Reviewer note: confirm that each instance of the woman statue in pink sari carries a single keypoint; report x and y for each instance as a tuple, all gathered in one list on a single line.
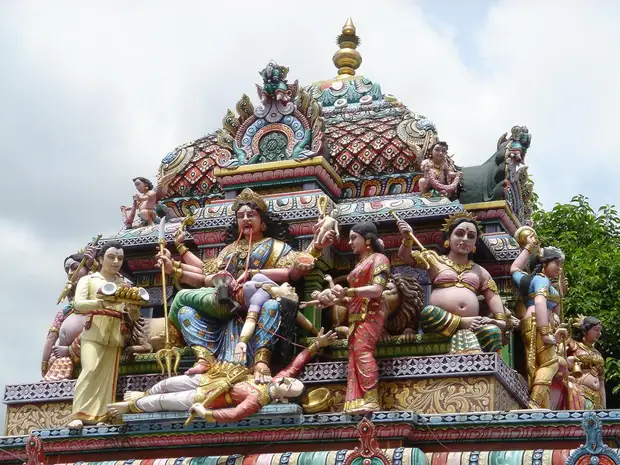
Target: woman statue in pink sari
[(366, 315)]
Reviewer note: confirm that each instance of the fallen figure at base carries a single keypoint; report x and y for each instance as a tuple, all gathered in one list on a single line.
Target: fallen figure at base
[(226, 393)]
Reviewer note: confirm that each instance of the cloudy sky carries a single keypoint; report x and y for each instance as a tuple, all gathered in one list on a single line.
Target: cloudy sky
[(95, 93)]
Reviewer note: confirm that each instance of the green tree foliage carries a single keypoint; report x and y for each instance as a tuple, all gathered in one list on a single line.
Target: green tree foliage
[(591, 242)]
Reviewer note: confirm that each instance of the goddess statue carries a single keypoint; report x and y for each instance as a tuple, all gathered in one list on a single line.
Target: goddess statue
[(454, 309), (439, 171), (226, 392), (101, 339), (540, 323), (260, 247), (60, 349), (587, 364), (367, 311)]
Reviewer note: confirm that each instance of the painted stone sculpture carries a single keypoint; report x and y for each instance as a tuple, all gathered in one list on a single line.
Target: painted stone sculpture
[(367, 312), (259, 246), (457, 281), (226, 392), (440, 174), (101, 340), (587, 364), (540, 324), (61, 349)]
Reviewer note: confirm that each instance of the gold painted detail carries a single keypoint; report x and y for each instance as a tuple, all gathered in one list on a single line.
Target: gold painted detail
[(23, 419), (347, 59), (280, 166), (424, 396)]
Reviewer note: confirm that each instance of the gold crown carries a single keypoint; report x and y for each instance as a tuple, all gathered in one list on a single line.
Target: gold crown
[(457, 216), (249, 196), (579, 321)]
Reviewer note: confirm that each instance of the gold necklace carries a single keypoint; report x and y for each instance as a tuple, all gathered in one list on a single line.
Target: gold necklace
[(457, 267)]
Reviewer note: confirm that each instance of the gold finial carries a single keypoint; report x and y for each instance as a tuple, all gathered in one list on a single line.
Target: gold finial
[(347, 59)]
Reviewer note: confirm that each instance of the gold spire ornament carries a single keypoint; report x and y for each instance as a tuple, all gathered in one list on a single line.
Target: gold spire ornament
[(347, 59)]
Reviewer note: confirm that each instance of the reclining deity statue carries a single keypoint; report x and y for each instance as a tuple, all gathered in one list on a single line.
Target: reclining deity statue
[(226, 392), (259, 247), (454, 309)]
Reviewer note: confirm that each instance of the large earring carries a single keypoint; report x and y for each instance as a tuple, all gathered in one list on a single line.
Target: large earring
[(446, 244), (368, 244), (473, 250)]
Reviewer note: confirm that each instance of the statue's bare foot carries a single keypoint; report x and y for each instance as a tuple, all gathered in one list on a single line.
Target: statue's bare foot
[(198, 369), (262, 373), (133, 395), (60, 351), (198, 410), (75, 424), (118, 409)]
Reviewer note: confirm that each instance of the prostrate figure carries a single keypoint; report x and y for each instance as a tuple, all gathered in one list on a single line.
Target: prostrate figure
[(454, 309), (259, 247), (440, 174), (62, 348), (101, 339), (540, 325), (227, 392), (367, 312), (587, 364)]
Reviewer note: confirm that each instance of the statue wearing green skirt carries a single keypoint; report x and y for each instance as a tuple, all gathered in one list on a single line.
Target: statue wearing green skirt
[(457, 281)]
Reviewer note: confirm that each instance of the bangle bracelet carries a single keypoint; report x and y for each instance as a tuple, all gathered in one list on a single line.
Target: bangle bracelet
[(407, 242), (182, 249), (543, 330), (350, 292), (244, 339)]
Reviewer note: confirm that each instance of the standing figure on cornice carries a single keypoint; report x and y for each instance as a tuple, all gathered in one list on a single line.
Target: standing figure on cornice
[(143, 204), (258, 246), (586, 363), (454, 309), (540, 325), (101, 340), (367, 311), (440, 174), (62, 342)]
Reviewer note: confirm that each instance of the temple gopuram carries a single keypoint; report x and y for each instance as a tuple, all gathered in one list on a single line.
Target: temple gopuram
[(318, 282)]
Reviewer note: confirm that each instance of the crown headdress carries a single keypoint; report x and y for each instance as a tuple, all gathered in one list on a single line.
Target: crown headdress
[(249, 196), (457, 216), (578, 321)]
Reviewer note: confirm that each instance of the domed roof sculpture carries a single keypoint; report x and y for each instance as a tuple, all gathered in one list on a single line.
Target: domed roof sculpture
[(364, 136)]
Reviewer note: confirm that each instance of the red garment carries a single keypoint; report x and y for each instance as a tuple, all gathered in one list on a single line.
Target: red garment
[(245, 396), (366, 317)]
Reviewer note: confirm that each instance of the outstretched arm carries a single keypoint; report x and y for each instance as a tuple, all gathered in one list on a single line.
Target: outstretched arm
[(249, 406)]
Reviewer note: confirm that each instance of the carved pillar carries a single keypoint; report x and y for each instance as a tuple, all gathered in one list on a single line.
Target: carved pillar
[(314, 281)]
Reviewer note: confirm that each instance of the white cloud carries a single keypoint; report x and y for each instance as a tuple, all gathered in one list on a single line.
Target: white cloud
[(98, 93)]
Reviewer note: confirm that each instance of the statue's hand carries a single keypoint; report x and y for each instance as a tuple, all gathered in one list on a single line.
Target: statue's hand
[(240, 352), (561, 334), (179, 237), (326, 339), (549, 339), (339, 292), (328, 239), (90, 253), (404, 228), (199, 410), (166, 262)]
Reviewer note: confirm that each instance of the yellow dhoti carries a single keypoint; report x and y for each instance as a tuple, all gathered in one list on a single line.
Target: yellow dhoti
[(96, 385)]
